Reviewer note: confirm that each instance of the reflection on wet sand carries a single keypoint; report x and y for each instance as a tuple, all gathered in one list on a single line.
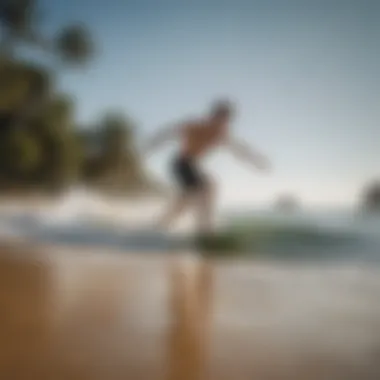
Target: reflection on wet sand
[(92, 315), (191, 299), (25, 295)]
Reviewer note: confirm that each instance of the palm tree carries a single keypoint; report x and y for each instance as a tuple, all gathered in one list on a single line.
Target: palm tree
[(74, 44), (24, 88), (116, 137), (20, 21)]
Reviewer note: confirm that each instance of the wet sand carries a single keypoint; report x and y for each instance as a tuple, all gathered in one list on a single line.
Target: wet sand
[(90, 314)]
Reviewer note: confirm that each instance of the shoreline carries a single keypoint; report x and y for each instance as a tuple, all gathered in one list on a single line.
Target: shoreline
[(255, 261)]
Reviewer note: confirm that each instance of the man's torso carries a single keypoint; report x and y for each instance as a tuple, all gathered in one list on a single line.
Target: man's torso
[(198, 138)]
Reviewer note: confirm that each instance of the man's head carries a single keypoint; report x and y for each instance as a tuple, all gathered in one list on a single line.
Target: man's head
[(222, 112)]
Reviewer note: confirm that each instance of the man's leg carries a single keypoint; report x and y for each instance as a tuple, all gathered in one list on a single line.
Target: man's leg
[(206, 207), (179, 205)]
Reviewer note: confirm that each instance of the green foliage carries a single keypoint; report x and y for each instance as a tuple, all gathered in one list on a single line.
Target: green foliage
[(74, 44), (22, 154), (223, 244), (264, 237), (41, 146), (19, 16), (111, 162), (20, 22), (21, 84)]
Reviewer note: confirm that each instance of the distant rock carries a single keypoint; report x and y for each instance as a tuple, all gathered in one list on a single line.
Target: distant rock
[(287, 203), (371, 197)]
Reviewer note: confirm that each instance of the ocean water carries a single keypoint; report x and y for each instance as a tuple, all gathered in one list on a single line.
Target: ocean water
[(82, 218), (328, 234)]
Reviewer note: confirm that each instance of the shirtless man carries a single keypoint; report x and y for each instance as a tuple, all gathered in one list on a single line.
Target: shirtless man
[(197, 138)]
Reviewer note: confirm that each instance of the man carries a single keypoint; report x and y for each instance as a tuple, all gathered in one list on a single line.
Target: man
[(197, 138)]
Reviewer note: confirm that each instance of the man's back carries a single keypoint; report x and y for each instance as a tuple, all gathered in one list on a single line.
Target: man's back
[(199, 137)]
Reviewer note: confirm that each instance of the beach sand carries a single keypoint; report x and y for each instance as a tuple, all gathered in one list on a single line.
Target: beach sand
[(70, 313)]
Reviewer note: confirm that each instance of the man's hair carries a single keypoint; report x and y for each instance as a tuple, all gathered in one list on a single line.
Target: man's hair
[(222, 108)]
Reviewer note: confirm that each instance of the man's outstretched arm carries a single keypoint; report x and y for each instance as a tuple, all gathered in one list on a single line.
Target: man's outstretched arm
[(247, 154), (164, 135)]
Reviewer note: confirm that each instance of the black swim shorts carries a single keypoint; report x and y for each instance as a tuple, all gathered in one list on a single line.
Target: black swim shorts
[(187, 174)]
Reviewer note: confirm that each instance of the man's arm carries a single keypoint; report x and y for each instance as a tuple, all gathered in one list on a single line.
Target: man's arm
[(164, 135), (247, 154)]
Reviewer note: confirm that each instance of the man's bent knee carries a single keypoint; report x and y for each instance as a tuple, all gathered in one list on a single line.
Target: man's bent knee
[(209, 185)]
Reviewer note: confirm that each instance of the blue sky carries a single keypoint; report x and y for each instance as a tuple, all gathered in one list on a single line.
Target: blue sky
[(304, 74)]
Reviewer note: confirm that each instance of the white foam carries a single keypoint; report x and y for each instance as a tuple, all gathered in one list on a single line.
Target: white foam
[(85, 208)]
